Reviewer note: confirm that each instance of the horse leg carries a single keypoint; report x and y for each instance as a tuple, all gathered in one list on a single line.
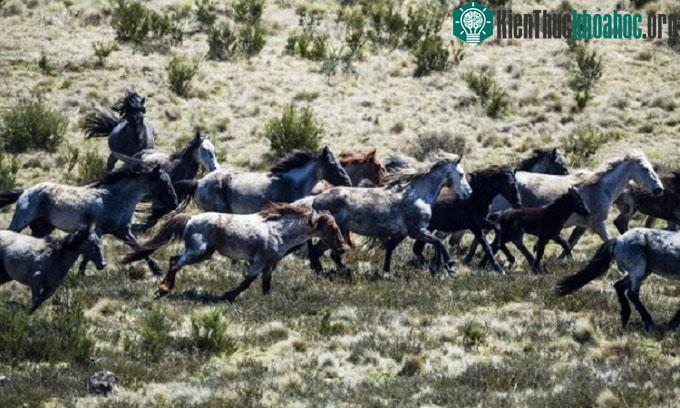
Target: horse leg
[(674, 322), (566, 249), (111, 162), (130, 239), (267, 280), (634, 296), (574, 237), (471, 252), (519, 243), (41, 227), (621, 287), (621, 222), (479, 236), (418, 247), (425, 235), (649, 222), (191, 256), (256, 268), (390, 245), (314, 254), (540, 249)]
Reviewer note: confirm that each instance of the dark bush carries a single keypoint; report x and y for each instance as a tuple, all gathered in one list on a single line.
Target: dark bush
[(295, 129), (222, 43), (306, 41), (209, 334), (137, 24), (180, 73), (8, 173), (205, 13), (251, 39), (431, 55), (248, 11), (32, 125)]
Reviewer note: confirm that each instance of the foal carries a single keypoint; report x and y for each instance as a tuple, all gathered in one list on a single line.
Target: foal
[(451, 213), (42, 264), (263, 239), (544, 222)]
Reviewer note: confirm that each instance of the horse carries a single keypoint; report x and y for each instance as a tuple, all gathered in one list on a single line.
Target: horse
[(598, 188), (638, 253), (401, 208), (451, 214), (544, 222), (362, 168), (262, 239), (42, 264), (110, 202), (666, 206), (245, 193), (181, 165), (124, 124)]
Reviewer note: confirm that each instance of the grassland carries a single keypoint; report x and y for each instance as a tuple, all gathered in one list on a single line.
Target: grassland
[(409, 340)]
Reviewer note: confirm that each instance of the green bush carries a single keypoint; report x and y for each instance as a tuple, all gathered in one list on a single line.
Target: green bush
[(355, 32), (45, 65), (209, 334), (431, 55), (248, 11), (153, 339), (180, 73), (427, 143), (306, 41), (387, 25), (32, 125), (587, 72), (8, 173), (205, 13), (137, 24), (473, 334), (222, 43), (492, 97), (423, 21), (102, 52), (46, 336), (293, 130), (91, 167), (251, 38), (585, 142)]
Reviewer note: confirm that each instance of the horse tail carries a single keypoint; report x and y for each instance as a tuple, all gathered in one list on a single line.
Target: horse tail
[(10, 196), (597, 267), (185, 190), (99, 122), (171, 230)]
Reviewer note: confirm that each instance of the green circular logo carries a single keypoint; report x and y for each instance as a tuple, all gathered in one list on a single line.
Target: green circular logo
[(472, 22)]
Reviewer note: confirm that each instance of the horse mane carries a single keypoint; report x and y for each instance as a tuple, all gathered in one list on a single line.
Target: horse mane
[(586, 177), (530, 161), (273, 211), (193, 144), (347, 158), (125, 104), (113, 177), (68, 242), (408, 176), (294, 160)]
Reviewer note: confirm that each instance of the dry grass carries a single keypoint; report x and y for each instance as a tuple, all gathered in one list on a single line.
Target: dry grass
[(478, 339)]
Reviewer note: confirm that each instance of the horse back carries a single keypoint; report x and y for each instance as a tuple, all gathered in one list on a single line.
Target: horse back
[(659, 249)]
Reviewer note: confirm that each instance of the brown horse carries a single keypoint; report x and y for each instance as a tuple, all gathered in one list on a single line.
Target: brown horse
[(363, 169), (666, 206)]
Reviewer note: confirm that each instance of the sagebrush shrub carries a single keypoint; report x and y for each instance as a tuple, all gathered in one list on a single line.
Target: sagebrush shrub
[(101, 52), (387, 24), (205, 12), (180, 73), (23, 336), (294, 129), (426, 144), (91, 167), (424, 20), (251, 39), (135, 23), (431, 55), (306, 41), (209, 334), (32, 125), (8, 173), (584, 142), (153, 338), (493, 98), (222, 43), (588, 71), (248, 11)]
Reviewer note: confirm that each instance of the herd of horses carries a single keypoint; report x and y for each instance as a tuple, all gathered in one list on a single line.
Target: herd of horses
[(316, 199)]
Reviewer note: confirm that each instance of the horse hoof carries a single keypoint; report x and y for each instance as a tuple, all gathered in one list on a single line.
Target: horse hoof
[(159, 294)]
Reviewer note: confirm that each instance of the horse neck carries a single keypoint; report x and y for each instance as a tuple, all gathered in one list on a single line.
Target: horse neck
[(183, 167), (613, 181), (129, 190), (482, 191), (292, 231), (355, 172), (558, 211), (304, 178), (61, 260), (427, 187)]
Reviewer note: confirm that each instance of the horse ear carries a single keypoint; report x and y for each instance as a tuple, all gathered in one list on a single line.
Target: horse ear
[(371, 154)]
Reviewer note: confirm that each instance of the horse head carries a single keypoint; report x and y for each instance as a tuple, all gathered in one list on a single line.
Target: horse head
[(324, 226), (546, 161), (331, 169), (131, 107), (204, 152), (508, 186), (643, 174), (363, 167), (454, 173)]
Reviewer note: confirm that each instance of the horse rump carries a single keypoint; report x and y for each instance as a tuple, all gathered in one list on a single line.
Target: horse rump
[(10, 197), (99, 122), (597, 267), (171, 230)]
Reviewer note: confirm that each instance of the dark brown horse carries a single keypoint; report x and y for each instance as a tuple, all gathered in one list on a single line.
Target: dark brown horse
[(666, 206)]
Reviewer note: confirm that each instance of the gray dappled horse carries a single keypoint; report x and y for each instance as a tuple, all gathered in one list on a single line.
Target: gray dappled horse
[(598, 188), (246, 193), (391, 213), (42, 264), (262, 239), (181, 165), (638, 253), (124, 124), (110, 203)]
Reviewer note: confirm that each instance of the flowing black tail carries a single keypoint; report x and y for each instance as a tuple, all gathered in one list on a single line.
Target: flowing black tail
[(171, 230), (185, 190), (99, 122), (597, 267), (10, 197)]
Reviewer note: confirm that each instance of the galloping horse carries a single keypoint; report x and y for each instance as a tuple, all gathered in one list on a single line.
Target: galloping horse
[(247, 193), (598, 188), (263, 239), (109, 202), (124, 125), (363, 169), (666, 206), (182, 165), (402, 208), (638, 253), (42, 264)]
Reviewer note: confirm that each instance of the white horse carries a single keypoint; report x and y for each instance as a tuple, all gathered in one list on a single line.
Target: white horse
[(598, 188), (638, 253)]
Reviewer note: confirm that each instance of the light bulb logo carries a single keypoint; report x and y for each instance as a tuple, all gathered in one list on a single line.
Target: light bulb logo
[(472, 23)]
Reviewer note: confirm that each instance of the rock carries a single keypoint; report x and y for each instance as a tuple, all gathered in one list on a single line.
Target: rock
[(102, 383), (4, 380)]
